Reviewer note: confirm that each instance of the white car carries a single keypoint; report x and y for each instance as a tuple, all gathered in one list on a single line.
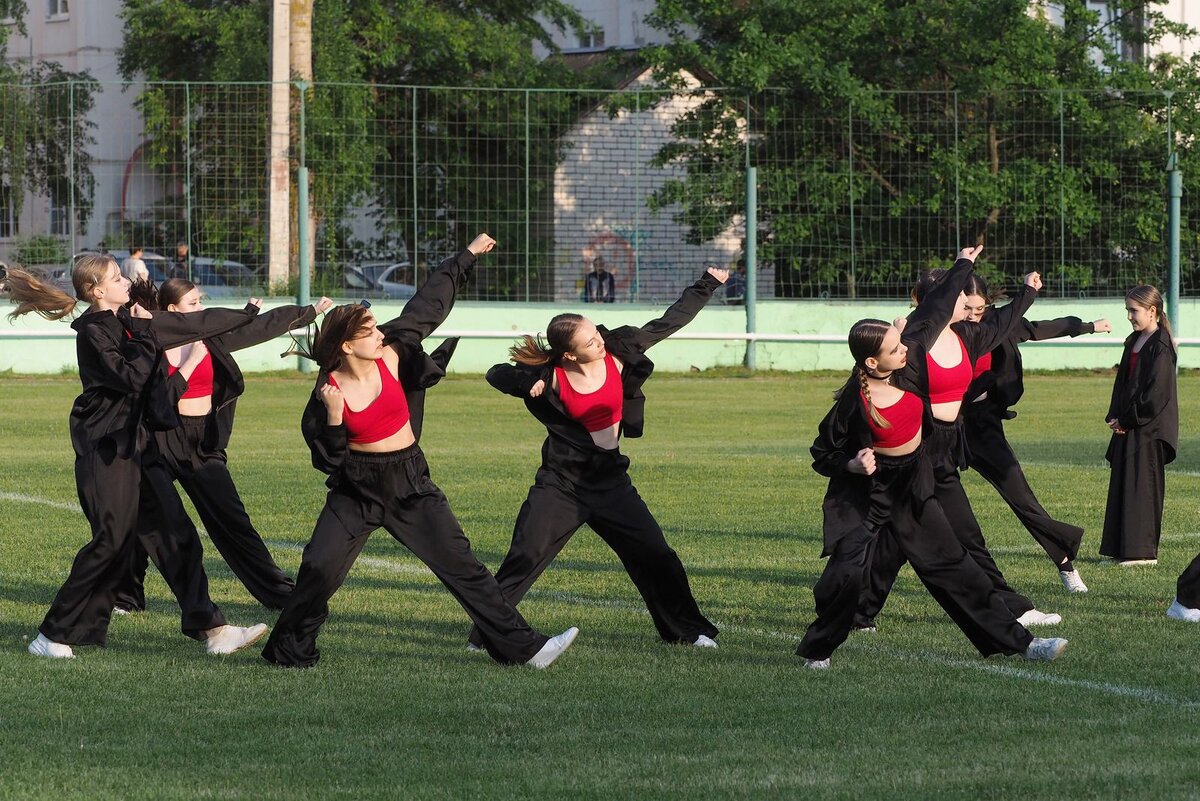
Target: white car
[(389, 280)]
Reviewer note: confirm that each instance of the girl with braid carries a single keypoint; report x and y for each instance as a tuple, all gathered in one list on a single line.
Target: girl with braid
[(882, 484)]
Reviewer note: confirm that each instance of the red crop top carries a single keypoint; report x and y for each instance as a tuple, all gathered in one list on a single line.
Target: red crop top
[(905, 416), (1133, 359), (200, 385), (982, 366), (595, 410), (380, 418), (949, 384)]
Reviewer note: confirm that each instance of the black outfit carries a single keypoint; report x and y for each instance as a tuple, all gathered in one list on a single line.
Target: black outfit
[(945, 442), (1146, 406), (599, 287), (117, 472), (897, 507), (394, 491), (989, 451), (579, 482), (193, 453), (1188, 588)]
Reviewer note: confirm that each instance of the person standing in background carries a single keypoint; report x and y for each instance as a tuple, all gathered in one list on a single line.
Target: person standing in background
[(599, 285), (133, 267)]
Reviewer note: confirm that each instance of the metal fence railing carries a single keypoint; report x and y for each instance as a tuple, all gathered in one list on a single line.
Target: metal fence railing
[(648, 183)]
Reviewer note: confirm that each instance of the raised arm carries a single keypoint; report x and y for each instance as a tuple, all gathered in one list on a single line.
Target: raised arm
[(428, 309), (680, 313), (1038, 330), (983, 337), (517, 380), (933, 314), (265, 326), (176, 328)]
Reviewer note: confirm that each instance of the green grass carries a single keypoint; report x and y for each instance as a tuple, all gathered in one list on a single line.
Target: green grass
[(398, 708)]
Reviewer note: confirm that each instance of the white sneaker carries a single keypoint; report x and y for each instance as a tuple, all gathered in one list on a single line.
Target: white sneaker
[(55, 650), (816, 664), (120, 611), (1137, 562), (1044, 650), (229, 639), (1180, 612), (865, 629), (553, 649), (704, 641), (472, 648), (1035, 618), (1072, 580)]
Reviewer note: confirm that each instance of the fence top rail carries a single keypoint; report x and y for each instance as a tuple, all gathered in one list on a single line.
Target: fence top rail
[(1167, 93)]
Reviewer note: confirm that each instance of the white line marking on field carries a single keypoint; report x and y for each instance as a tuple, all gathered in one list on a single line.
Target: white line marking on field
[(19, 498), (391, 565)]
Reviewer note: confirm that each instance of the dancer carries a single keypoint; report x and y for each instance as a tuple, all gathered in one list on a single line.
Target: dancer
[(119, 350), (880, 480), (585, 386), (363, 424), (203, 386), (1144, 418), (996, 387), (942, 356), (1186, 606)]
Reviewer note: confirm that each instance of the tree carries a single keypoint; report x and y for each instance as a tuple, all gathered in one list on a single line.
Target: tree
[(362, 148), (44, 127), (910, 127)]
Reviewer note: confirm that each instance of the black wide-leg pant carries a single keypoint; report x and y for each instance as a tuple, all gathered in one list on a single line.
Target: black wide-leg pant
[(946, 449), (905, 507), (204, 475), (123, 500), (1137, 487), (993, 458), (393, 491), (556, 508), (1188, 589)]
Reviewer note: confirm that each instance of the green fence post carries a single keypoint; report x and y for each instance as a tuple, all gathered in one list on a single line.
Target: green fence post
[(304, 292), (1175, 192), (751, 292)]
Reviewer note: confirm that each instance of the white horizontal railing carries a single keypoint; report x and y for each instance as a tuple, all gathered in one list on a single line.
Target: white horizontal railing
[(731, 336)]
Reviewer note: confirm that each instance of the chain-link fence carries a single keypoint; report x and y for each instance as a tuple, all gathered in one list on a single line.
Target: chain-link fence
[(644, 183)]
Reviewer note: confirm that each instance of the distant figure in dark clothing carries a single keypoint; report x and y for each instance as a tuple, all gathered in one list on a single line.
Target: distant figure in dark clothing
[(598, 286), (181, 264)]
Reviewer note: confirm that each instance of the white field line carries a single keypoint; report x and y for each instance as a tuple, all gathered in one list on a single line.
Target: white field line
[(390, 565)]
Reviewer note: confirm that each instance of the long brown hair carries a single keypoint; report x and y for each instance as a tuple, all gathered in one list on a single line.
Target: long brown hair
[(342, 324), (1148, 297), (32, 294), (865, 341), (559, 334)]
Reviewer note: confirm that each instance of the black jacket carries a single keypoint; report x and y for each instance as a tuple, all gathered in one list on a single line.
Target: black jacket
[(1148, 401), (629, 345), (119, 357), (1004, 383), (228, 383), (418, 370)]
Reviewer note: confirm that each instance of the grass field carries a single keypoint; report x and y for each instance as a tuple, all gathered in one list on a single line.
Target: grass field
[(398, 708)]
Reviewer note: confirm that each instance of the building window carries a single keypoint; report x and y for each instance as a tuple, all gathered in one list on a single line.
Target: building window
[(8, 213), (594, 39), (60, 219), (58, 9)]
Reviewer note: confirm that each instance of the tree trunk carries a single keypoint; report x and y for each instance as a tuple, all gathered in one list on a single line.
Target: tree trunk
[(279, 229), (300, 41)]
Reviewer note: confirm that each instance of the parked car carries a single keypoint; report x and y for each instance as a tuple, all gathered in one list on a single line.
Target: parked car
[(389, 280), (204, 272)]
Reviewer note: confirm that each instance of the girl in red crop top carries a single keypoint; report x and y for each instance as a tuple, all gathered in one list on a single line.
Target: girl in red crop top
[(598, 409), (383, 417), (949, 384)]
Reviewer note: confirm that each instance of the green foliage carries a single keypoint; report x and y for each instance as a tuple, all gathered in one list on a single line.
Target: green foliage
[(40, 249), (910, 128)]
